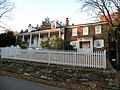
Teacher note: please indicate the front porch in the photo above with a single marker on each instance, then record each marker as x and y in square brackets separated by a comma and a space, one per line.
[34, 39]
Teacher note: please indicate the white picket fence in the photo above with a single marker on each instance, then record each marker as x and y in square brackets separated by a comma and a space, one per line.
[96, 59]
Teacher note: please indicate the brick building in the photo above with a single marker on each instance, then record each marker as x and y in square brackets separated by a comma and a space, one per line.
[89, 37]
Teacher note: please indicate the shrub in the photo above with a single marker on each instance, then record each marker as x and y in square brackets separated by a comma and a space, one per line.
[57, 43]
[24, 45]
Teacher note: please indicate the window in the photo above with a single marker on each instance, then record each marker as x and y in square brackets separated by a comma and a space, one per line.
[99, 43]
[53, 25]
[74, 32]
[97, 29]
[62, 30]
[73, 43]
[85, 30]
[85, 44]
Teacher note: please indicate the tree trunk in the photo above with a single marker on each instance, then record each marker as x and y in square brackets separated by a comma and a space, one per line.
[117, 62]
[118, 52]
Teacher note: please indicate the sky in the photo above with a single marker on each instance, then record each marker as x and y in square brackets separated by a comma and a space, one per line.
[34, 11]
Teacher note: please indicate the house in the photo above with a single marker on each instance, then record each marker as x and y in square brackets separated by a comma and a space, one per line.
[83, 37]
[90, 36]
[34, 37]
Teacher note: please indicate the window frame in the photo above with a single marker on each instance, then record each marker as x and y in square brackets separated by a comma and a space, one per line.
[85, 30]
[74, 31]
[100, 42]
[98, 31]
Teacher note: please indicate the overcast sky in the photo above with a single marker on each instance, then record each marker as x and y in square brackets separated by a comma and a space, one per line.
[34, 11]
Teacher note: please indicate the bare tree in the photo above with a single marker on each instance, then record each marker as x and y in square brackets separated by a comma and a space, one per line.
[6, 7]
[104, 7]
[110, 9]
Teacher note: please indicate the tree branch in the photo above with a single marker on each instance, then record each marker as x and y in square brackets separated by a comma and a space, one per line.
[6, 12]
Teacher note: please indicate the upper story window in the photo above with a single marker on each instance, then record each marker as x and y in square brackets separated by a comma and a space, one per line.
[74, 32]
[97, 29]
[85, 30]
[53, 25]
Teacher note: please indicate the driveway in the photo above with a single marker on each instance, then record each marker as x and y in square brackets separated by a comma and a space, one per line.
[9, 83]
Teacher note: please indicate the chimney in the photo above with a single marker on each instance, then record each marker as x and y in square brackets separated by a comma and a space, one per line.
[72, 24]
[67, 22]
[29, 25]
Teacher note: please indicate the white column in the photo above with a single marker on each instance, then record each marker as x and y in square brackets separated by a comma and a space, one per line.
[39, 40]
[49, 35]
[23, 39]
[16, 39]
[77, 44]
[91, 43]
[59, 33]
[30, 40]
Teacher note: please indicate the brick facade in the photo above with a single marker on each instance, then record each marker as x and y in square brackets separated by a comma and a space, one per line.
[87, 39]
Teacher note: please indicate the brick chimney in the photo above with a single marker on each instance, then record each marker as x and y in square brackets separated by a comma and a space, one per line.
[67, 22]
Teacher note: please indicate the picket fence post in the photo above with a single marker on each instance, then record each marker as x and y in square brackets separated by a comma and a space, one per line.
[104, 60]
[49, 57]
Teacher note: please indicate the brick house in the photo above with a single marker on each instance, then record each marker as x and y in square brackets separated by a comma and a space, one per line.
[83, 37]
[90, 36]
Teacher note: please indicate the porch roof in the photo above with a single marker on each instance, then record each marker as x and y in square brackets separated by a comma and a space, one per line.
[42, 31]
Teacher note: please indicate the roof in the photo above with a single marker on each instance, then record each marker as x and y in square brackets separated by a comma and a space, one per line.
[37, 32]
[57, 29]
[95, 23]
[86, 24]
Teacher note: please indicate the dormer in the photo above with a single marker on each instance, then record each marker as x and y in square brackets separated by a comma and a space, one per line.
[55, 24]
[31, 28]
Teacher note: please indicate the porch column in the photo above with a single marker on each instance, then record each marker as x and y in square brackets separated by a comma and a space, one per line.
[91, 43]
[39, 40]
[49, 35]
[16, 39]
[30, 40]
[59, 33]
[77, 43]
[23, 39]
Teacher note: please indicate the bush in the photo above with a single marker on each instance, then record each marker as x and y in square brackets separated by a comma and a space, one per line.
[69, 47]
[57, 43]
[24, 45]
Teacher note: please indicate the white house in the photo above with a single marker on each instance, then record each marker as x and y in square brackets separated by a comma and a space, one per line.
[34, 38]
